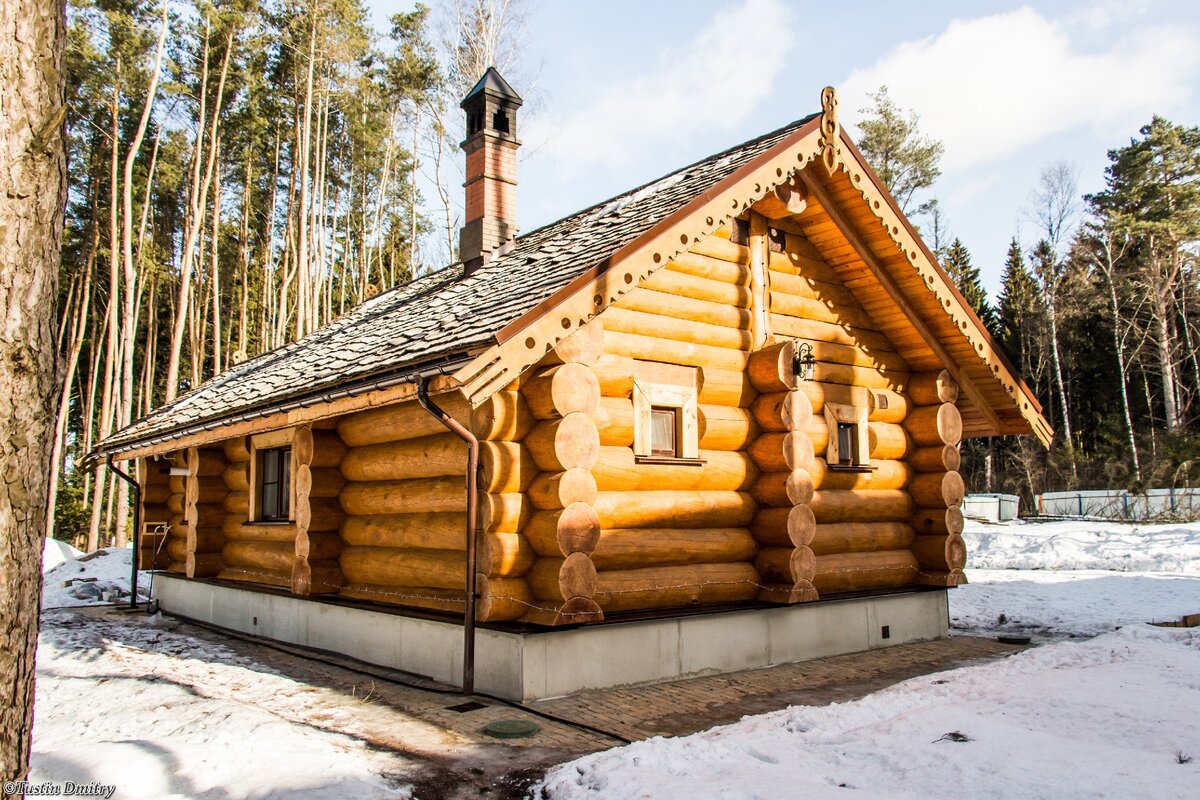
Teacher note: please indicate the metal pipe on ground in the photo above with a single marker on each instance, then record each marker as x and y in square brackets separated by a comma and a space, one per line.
[460, 430]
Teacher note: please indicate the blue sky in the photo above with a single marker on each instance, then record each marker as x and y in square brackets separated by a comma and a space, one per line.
[621, 92]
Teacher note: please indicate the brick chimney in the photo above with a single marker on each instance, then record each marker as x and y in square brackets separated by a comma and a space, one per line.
[491, 148]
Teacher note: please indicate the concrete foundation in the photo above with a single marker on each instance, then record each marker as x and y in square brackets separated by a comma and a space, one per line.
[551, 663]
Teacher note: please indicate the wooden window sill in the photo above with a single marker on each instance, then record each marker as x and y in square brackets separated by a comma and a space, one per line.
[679, 462]
[851, 468]
[269, 522]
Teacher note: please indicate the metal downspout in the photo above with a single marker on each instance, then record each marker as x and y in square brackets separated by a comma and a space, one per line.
[137, 530]
[468, 682]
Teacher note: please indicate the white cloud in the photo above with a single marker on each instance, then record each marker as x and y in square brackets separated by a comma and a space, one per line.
[733, 60]
[991, 86]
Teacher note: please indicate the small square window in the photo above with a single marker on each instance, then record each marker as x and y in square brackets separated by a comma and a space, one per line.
[664, 428]
[275, 484]
[847, 444]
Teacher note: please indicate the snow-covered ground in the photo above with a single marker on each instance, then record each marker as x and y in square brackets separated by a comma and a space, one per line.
[163, 715]
[93, 579]
[1117, 715]
[1108, 713]
[1109, 717]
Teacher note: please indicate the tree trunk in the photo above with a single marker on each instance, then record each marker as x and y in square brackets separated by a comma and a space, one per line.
[32, 196]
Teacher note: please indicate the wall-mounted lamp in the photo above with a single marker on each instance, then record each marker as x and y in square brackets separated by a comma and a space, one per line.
[803, 363]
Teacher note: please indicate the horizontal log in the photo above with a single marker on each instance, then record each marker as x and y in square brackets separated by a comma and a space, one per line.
[719, 246]
[887, 440]
[940, 553]
[783, 489]
[210, 515]
[886, 474]
[617, 470]
[852, 572]
[175, 504]
[948, 579]
[560, 390]
[584, 345]
[504, 416]
[426, 457]
[449, 601]
[621, 320]
[784, 527]
[269, 556]
[504, 555]
[934, 489]
[732, 269]
[935, 425]
[798, 592]
[830, 327]
[238, 504]
[772, 369]
[816, 304]
[725, 427]
[156, 493]
[505, 467]
[614, 421]
[686, 509]
[559, 489]
[861, 537]
[318, 546]
[680, 283]
[405, 568]
[502, 599]
[209, 462]
[782, 411]
[651, 348]
[317, 448]
[324, 482]
[935, 458]
[558, 533]
[575, 611]
[319, 514]
[865, 505]
[316, 577]
[785, 564]
[674, 587]
[883, 405]
[932, 388]
[561, 579]
[673, 305]
[724, 387]
[207, 487]
[630, 548]
[236, 449]
[236, 529]
[506, 513]
[935, 521]
[205, 540]
[614, 373]
[431, 531]
[404, 497]
[783, 452]
[177, 548]
[237, 477]
[562, 444]
[251, 575]
[204, 565]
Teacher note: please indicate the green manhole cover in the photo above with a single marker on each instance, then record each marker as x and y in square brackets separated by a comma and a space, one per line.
[510, 728]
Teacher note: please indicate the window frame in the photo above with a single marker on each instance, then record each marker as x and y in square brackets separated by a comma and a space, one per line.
[260, 444]
[854, 420]
[666, 387]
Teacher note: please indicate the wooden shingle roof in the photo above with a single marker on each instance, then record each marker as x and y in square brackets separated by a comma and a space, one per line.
[443, 314]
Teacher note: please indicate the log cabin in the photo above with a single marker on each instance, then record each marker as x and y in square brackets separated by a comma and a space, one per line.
[739, 387]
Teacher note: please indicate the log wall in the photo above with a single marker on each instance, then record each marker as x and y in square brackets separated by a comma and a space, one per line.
[154, 477]
[204, 511]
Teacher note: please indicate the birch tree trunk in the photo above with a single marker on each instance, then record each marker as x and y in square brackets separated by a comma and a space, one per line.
[33, 191]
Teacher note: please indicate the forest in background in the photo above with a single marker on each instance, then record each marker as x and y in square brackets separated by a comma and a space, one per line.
[243, 173]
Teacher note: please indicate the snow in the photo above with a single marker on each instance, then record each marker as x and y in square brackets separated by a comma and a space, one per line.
[1103, 717]
[1074, 545]
[159, 714]
[1110, 707]
[56, 551]
[86, 580]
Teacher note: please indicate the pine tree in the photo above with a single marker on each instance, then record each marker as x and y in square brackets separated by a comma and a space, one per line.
[957, 263]
[1017, 311]
[905, 159]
